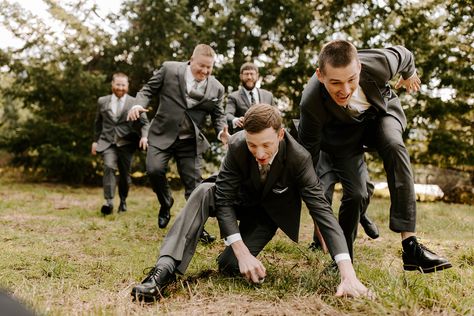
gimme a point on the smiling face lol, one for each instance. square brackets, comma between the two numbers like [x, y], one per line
[201, 66]
[249, 78]
[340, 82]
[263, 145]
[120, 86]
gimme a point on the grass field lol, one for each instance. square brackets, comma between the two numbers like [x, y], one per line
[61, 257]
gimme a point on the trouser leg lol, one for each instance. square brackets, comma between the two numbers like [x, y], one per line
[189, 165]
[390, 146]
[182, 238]
[110, 167]
[157, 166]
[125, 155]
[351, 172]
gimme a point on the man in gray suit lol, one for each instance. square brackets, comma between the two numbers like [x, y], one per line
[240, 101]
[348, 103]
[117, 139]
[262, 179]
[187, 95]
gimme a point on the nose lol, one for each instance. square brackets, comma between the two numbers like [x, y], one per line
[346, 88]
[260, 153]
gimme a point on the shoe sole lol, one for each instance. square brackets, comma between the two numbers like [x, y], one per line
[144, 298]
[412, 267]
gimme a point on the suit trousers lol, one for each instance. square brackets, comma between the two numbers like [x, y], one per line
[117, 158]
[351, 171]
[385, 134]
[187, 161]
[256, 229]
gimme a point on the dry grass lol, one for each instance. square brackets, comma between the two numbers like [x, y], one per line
[60, 257]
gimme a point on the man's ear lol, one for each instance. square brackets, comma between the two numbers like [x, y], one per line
[281, 134]
[319, 74]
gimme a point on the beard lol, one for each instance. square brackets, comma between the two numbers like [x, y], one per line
[249, 85]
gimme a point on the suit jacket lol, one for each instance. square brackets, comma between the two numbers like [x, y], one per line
[112, 130]
[169, 84]
[238, 104]
[291, 177]
[327, 126]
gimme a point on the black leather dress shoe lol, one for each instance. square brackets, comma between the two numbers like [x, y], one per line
[107, 209]
[207, 238]
[417, 257]
[122, 207]
[164, 215]
[369, 227]
[153, 285]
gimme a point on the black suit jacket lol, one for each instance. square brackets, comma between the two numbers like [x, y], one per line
[169, 84]
[291, 177]
[327, 126]
[108, 129]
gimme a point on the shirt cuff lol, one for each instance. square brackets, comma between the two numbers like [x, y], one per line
[229, 240]
[341, 257]
[234, 122]
[135, 106]
[219, 135]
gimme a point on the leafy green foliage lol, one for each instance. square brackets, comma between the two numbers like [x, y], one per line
[58, 78]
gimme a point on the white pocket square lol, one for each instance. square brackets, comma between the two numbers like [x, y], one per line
[279, 190]
[214, 100]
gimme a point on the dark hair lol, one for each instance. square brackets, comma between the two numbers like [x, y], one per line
[338, 53]
[119, 75]
[248, 66]
[262, 116]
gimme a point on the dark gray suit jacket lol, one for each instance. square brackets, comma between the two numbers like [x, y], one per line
[109, 130]
[238, 104]
[324, 125]
[291, 177]
[169, 84]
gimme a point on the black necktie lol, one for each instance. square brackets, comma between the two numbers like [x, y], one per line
[252, 100]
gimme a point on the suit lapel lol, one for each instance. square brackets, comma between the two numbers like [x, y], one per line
[254, 173]
[275, 168]
[244, 98]
[373, 94]
[180, 74]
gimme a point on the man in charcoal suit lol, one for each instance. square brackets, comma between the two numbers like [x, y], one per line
[187, 95]
[117, 139]
[349, 103]
[262, 179]
[240, 101]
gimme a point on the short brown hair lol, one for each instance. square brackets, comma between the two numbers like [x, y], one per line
[262, 116]
[119, 75]
[204, 50]
[248, 66]
[337, 53]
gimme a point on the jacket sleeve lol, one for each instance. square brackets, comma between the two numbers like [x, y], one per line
[217, 114]
[151, 88]
[97, 123]
[319, 208]
[145, 124]
[311, 119]
[230, 108]
[227, 187]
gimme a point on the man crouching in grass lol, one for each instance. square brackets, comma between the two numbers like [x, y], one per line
[259, 188]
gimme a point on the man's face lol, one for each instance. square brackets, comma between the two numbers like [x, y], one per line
[120, 86]
[340, 82]
[201, 66]
[249, 78]
[264, 145]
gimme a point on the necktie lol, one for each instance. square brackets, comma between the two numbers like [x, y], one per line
[264, 172]
[119, 107]
[252, 99]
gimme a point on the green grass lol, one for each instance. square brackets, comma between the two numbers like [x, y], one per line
[61, 257]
